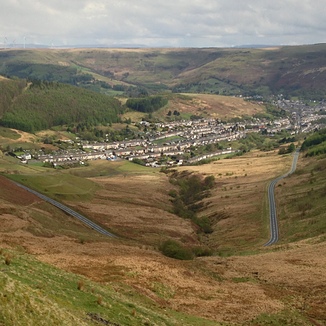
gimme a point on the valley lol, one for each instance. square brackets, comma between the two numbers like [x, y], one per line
[190, 233]
[142, 221]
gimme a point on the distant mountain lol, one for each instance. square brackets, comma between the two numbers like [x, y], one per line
[290, 70]
[255, 46]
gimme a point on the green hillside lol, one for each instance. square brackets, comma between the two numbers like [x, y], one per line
[47, 104]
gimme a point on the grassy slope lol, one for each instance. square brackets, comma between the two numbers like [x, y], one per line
[240, 199]
[203, 105]
[46, 295]
[301, 199]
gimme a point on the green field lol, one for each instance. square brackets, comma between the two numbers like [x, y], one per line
[58, 185]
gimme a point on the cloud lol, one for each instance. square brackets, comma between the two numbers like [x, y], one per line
[168, 23]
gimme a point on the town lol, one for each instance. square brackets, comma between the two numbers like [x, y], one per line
[168, 144]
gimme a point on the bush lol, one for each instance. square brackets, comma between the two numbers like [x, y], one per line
[202, 251]
[99, 300]
[205, 224]
[176, 250]
[289, 149]
[8, 259]
[80, 285]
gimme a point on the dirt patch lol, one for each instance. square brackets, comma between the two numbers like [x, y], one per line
[14, 194]
[24, 137]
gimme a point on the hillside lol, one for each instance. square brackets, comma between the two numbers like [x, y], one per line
[296, 70]
[128, 281]
[42, 105]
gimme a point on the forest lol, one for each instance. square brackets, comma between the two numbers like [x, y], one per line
[47, 104]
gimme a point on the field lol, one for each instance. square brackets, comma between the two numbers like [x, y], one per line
[244, 283]
[211, 106]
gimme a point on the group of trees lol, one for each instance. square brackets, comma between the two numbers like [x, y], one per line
[187, 201]
[287, 150]
[175, 112]
[147, 104]
[315, 144]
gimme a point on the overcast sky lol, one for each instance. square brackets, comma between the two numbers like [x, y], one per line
[162, 23]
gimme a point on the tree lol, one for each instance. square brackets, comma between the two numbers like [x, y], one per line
[291, 148]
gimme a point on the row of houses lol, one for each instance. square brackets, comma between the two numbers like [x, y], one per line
[187, 134]
[147, 149]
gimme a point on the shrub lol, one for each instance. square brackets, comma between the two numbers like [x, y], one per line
[173, 193]
[80, 285]
[7, 259]
[205, 224]
[99, 300]
[202, 251]
[176, 250]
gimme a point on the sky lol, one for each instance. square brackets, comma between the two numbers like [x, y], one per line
[162, 23]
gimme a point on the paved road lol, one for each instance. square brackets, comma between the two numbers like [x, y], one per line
[271, 198]
[69, 211]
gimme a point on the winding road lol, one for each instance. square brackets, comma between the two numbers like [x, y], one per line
[271, 198]
[69, 211]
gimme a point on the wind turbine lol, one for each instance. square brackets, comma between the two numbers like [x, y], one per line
[24, 42]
